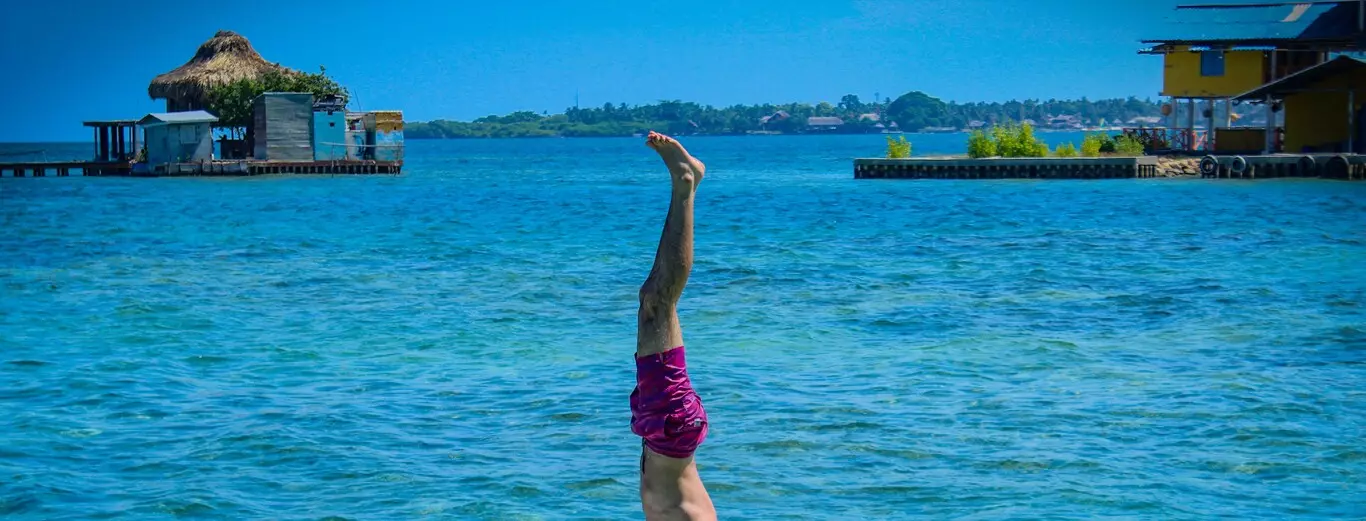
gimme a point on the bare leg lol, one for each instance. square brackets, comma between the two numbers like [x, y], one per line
[670, 487]
[658, 329]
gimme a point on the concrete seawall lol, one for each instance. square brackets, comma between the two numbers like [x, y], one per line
[1007, 168]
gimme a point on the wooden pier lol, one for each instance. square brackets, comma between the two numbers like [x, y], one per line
[1007, 168]
[65, 168]
[207, 168]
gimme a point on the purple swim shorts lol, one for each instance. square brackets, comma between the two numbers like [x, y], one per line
[665, 411]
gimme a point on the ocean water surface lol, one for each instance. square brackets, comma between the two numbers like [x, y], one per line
[455, 342]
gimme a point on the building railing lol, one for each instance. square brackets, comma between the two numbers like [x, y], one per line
[1164, 139]
[367, 152]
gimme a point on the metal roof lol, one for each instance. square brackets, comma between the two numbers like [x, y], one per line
[1303, 80]
[170, 118]
[1268, 22]
[110, 123]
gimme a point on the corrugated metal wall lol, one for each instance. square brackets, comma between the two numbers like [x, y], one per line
[329, 135]
[283, 126]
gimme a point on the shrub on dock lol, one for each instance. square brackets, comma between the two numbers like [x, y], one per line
[1128, 146]
[1092, 144]
[1006, 141]
[898, 148]
[1065, 150]
[980, 145]
[1107, 144]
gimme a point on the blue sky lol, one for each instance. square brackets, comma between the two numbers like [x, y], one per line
[70, 61]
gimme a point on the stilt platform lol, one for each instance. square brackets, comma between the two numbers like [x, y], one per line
[1007, 168]
[206, 168]
[65, 168]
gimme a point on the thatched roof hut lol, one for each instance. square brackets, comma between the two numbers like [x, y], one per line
[225, 58]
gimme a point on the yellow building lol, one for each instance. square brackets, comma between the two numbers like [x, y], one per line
[1207, 74]
[1215, 54]
[1323, 106]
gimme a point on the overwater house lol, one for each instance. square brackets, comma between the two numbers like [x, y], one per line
[284, 127]
[384, 135]
[1215, 54]
[1323, 107]
[175, 138]
[329, 129]
[283, 132]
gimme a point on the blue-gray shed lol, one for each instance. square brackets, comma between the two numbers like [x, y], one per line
[178, 137]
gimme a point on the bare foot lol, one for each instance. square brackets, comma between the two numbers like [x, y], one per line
[686, 170]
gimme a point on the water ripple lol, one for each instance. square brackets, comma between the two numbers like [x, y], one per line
[454, 343]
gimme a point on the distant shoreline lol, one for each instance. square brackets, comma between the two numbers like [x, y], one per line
[754, 134]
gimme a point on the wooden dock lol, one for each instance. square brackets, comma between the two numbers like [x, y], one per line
[1007, 168]
[65, 168]
[206, 168]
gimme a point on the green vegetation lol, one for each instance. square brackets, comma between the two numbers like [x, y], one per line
[915, 111]
[912, 112]
[231, 102]
[1018, 141]
[1092, 144]
[1128, 146]
[898, 148]
[1065, 150]
[980, 145]
[1006, 141]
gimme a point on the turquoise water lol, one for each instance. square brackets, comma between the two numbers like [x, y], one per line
[456, 342]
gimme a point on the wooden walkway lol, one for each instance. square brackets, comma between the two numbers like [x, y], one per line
[64, 168]
[207, 168]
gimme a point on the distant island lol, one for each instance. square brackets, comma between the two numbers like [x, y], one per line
[911, 112]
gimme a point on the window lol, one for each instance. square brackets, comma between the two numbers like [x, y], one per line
[1211, 63]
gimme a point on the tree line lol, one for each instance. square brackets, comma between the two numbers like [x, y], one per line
[911, 112]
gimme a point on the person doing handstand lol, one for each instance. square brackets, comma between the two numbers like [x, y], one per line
[665, 411]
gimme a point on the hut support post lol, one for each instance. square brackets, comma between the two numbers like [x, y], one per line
[1190, 124]
[1209, 126]
[133, 151]
[1351, 121]
[1270, 147]
[103, 153]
